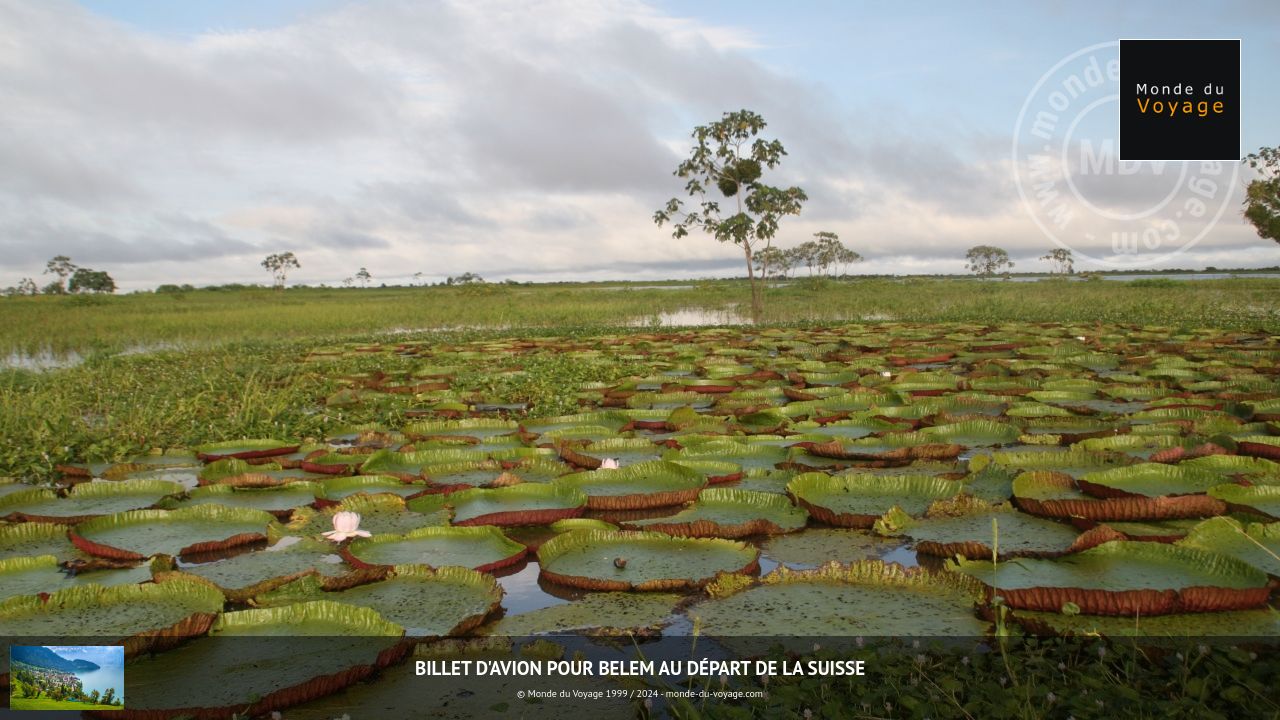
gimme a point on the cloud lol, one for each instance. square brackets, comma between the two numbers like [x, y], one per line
[509, 139]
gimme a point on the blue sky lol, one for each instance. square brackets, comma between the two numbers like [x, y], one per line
[182, 141]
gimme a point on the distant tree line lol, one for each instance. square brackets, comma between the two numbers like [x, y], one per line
[69, 278]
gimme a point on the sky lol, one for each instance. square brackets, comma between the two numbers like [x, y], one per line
[182, 142]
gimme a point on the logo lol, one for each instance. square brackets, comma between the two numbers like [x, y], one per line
[1067, 167]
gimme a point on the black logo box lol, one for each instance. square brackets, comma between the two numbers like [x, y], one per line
[1205, 73]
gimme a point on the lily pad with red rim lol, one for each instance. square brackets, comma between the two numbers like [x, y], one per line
[636, 487]
[244, 449]
[423, 600]
[483, 549]
[522, 504]
[1125, 578]
[857, 500]
[138, 534]
[648, 561]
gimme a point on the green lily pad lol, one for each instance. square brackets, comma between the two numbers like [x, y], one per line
[1125, 578]
[340, 487]
[973, 531]
[523, 504]
[603, 560]
[380, 514]
[115, 612]
[857, 500]
[974, 433]
[1149, 480]
[636, 487]
[1255, 543]
[605, 613]
[729, 513]
[222, 675]
[138, 534]
[244, 449]
[244, 575]
[31, 575]
[32, 538]
[819, 546]
[273, 499]
[889, 601]
[88, 499]
[482, 548]
[1264, 499]
[425, 601]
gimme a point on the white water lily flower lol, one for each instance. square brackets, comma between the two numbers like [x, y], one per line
[609, 464]
[346, 525]
[1081, 338]
[885, 373]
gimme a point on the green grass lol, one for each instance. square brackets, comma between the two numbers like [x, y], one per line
[96, 324]
[238, 377]
[45, 703]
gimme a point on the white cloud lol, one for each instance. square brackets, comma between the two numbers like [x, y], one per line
[518, 140]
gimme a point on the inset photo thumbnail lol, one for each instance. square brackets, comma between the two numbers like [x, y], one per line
[66, 677]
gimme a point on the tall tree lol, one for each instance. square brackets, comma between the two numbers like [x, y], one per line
[987, 260]
[1060, 260]
[364, 277]
[1262, 196]
[94, 281]
[62, 267]
[729, 156]
[279, 265]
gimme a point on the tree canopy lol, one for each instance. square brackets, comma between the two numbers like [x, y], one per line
[729, 156]
[1262, 196]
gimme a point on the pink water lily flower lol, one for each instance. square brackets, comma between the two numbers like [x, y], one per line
[609, 464]
[346, 525]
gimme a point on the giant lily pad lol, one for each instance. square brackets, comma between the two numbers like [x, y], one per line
[87, 500]
[819, 546]
[482, 548]
[1056, 495]
[138, 534]
[340, 487]
[42, 574]
[974, 433]
[857, 500]
[972, 529]
[729, 513]
[31, 538]
[410, 465]
[1125, 578]
[1255, 543]
[331, 646]
[605, 613]
[244, 575]
[618, 560]
[425, 601]
[279, 500]
[146, 614]
[1148, 480]
[864, 598]
[379, 514]
[1263, 499]
[523, 504]
[636, 487]
[244, 449]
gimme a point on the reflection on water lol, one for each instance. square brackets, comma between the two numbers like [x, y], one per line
[692, 317]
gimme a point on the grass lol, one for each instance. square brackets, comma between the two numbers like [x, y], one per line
[17, 702]
[87, 325]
